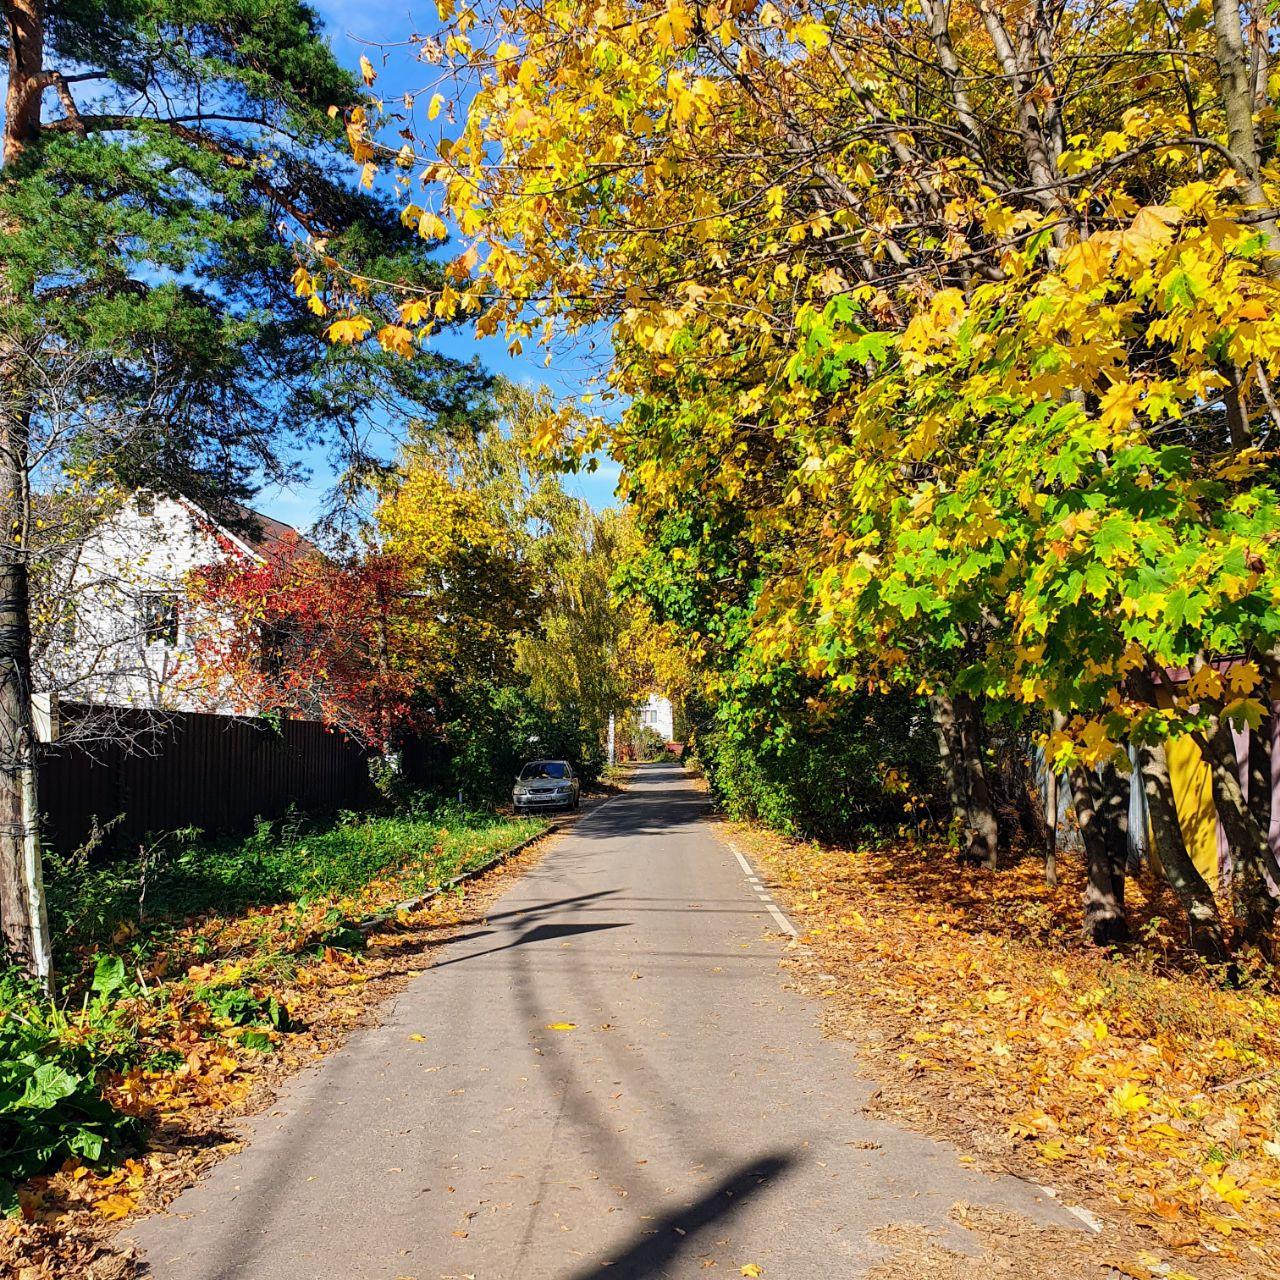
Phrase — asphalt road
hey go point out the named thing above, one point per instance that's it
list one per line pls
(692, 1117)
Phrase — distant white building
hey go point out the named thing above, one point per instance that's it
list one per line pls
(657, 714)
(116, 633)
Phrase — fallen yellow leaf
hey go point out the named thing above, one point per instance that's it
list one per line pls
(1226, 1188)
(417, 1036)
(117, 1205)
(562, 1026)
(752, 1269)
(1128, 1098)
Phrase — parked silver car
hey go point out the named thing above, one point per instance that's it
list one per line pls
(546, 784)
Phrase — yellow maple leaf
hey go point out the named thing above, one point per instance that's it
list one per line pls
(397, 339)
(115, 1206)
(1225, 1187)
(415, 311)
(1206, 683)
(672, 28)
(1243, 677)
(349, 330)
(432, 227)
(1084, 264)
(1128, 1098)
(813, 35)
(752, 1269)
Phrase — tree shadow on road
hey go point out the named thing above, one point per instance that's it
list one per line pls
(537, 933)
(663, 1240)
(535, 909)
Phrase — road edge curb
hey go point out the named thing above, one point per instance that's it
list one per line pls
(368, 923)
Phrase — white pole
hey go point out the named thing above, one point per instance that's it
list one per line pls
(33, 876)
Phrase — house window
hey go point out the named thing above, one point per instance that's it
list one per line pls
(160, 617)
(146, 503)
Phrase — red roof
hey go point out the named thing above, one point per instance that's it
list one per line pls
(264, 533)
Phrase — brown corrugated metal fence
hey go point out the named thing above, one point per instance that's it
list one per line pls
(165, 771)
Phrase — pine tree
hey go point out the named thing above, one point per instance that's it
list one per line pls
(163, 162)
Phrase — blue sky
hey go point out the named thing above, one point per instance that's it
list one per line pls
(355, 26)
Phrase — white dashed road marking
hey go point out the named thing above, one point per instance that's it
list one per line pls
(1090, 1220)
(754, 880)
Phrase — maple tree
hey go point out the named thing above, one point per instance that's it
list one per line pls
(955, 326)
(298, 633)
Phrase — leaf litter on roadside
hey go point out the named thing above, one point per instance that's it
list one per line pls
(1134, 1077)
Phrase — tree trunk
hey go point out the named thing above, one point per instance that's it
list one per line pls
(937, 13)
(1251, 855)
(951, 758)
(1037, 109)
(1236, 84)
(1113, 808)
(1260, 784)
(1051, 827)
(982, 814)
(27, 80)
(23, 918)
(23, 914)
(1204, 922)
(1104, 919)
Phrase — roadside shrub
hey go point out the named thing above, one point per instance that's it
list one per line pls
(497, 730)
(869, 763)
(637, 740)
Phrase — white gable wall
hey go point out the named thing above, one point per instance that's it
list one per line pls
(657, 713)
(116, 583)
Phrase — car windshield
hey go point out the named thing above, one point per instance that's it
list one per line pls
(544, 769)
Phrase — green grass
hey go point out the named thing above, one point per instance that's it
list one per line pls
(261, 907)
(286, 861)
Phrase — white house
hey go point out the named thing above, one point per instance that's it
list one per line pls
(656, 713)
(114, 630)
